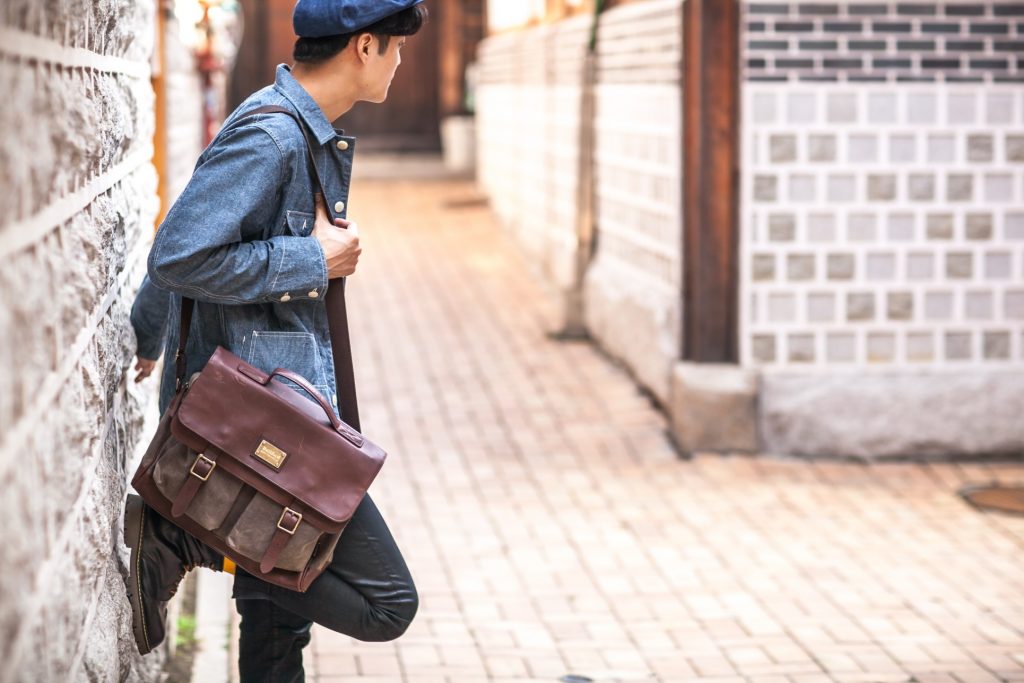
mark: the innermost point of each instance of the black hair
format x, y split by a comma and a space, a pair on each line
404, 23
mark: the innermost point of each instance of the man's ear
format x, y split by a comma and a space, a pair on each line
364, 44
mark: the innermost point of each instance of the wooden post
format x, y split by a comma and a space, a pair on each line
450, 56
710, 181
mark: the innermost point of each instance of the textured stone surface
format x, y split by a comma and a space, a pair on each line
906, 415
713, 407
76, 145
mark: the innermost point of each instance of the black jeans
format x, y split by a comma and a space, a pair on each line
366, 593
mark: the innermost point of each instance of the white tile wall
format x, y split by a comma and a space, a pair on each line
882, 226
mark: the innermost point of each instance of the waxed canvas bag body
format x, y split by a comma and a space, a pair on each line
254, 469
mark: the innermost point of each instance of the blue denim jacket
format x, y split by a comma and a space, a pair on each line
238, 241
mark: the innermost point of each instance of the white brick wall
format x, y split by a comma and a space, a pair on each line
528, 109
528, 120
882, 226
76, 214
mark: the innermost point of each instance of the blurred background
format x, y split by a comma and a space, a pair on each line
794, 231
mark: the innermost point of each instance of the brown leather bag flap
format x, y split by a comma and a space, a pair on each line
275, 439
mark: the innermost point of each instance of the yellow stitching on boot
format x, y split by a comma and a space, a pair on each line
138, 580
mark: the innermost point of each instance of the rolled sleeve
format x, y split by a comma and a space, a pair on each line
210, 246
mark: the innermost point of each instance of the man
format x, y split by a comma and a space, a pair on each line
247, 241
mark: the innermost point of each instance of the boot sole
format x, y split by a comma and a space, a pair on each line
134, 525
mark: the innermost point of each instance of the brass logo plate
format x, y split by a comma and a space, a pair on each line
271, 454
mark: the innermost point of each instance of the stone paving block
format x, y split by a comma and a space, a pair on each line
582, 544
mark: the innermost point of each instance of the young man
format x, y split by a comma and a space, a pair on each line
249, 244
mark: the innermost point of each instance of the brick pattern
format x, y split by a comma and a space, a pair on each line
883, 227
530, 91
75, 213
528, 107
912, 41
551, 530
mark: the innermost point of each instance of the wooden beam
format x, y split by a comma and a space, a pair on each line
710, 181
448, 14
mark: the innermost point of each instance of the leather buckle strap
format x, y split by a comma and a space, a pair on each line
200, 471
280, 538
288, 512
208, 466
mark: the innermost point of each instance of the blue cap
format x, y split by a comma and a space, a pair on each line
318, 18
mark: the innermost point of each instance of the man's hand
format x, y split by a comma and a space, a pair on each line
339, 241
145, 368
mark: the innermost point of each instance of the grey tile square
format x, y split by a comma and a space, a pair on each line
862, 227
781, 227
996, 345
801, 348
763, 348
920, 266
860, 306
978, 305
821, 307
900, 305
957, 345
821, 227
938, 305
821, 148
840, 347
881, 347
920, 346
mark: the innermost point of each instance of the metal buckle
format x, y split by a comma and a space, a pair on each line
202, 458
298, 520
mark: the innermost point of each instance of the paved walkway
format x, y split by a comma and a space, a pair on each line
552, 530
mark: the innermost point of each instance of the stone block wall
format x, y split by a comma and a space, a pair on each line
528, 118
528, 114
882, 226
76, 216
633, 288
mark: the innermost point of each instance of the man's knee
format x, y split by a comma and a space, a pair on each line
391, 622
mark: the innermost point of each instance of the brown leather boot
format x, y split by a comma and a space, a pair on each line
162, 553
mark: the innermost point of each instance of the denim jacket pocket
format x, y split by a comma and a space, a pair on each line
299, 223
295, 351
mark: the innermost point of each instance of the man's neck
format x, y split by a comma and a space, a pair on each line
329, 87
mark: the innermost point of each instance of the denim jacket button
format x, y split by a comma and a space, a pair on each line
339, 207
342, 145
286, 297
314, 294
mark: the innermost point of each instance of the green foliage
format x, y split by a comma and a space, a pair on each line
186, 631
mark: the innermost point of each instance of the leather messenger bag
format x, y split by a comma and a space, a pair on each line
254, 469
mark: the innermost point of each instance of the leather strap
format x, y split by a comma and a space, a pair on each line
198, 474
337, 310
288, 524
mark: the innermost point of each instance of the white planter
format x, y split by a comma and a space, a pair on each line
458, 143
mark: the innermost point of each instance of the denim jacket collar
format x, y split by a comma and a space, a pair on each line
307, 107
